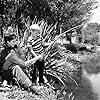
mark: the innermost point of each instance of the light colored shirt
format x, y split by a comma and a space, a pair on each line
36, 45
13, 59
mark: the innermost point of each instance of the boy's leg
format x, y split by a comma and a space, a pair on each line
33, 65
40, 64
23, 79
36, 63
21, 76
33, 73
7, 75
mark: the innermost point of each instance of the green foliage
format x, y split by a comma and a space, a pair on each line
71, 13
91, 33
92, 63
18, 94
50, 16
67, 13
56, 64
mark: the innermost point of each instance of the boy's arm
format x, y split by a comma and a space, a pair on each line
46, 44
33, 53
29, 45
15, 59
32, 61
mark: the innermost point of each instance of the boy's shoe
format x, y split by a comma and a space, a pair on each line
41, 84
34, 90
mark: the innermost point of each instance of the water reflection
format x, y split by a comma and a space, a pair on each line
88, 89
89, 84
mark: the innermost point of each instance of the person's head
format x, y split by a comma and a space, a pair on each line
35, 30
20, 51
10, 40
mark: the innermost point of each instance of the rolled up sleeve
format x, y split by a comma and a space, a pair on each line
16, 60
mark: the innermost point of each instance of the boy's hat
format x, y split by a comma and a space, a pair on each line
35, 27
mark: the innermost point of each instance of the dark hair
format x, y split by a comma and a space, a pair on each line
9, 38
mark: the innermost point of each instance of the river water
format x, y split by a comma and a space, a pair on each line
94, 82
90, 89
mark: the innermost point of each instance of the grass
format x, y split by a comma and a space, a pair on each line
18, 94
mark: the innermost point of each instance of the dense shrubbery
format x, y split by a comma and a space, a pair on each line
91, 33
62, 67
67, 13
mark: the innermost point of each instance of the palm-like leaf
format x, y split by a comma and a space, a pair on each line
34, 20
57, 68
58, 63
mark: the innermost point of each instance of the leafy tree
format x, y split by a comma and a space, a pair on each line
91, 33
68, 13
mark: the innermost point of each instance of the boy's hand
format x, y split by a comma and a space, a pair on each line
40, 57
